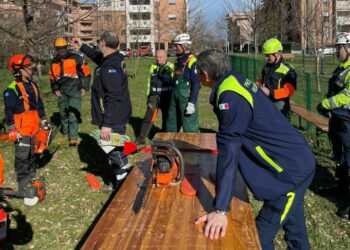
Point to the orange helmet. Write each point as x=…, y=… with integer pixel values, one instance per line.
x=61, y=42
x=19, y=61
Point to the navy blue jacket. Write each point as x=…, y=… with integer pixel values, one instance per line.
x=189, y=75
x=254, y=137
x=14, y=102
x=110, y=98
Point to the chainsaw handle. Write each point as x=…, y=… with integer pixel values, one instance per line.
x=182, y=164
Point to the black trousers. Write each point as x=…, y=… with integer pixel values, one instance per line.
x=24, y=161
x=154, y=103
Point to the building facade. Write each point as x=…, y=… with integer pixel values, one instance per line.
x=143, y=23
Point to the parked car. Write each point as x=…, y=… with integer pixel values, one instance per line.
x=171, y=52
x=328, y=50
x=144, y=51
x=126, y=52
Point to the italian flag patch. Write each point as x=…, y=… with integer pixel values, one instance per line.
x=224, y=106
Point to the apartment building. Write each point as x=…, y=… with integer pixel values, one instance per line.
x=151, y=23
x=239, y=30
x=342, y=14
x=85, y=23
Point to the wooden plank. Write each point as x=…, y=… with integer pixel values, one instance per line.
x=318, y=121
x=166, y=220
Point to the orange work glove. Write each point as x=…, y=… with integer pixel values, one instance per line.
x=14, y=135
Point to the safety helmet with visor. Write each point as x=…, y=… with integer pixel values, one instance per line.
x=19, y=61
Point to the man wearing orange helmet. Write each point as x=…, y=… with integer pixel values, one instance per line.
x=66, y=77
x=25, y=115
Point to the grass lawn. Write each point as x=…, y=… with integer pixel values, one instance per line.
x=62, y=220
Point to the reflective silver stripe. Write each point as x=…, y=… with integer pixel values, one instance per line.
x=161, y=89
x=346, y=92
x=331, y=102
x=347, y=106
x=71, y=76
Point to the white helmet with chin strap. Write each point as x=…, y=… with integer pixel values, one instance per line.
x=343, y=38
x=183, y=38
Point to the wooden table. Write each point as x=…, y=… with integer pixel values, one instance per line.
x=165, y=221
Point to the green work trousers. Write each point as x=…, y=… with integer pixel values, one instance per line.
x=70, y=112
x=177, y=117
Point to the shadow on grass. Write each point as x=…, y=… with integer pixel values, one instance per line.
x=22, y=234
x=95, y=158
x=56, y=119
x=43, y=159
x=324, y=184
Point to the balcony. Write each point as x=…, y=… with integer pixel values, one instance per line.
x=141, y=24
x=140, y=38
x=343, y=6
x=139, y=8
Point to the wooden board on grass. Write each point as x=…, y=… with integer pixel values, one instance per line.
x=165, y=219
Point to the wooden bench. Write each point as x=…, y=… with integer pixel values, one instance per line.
x=320, y=122
x=165, y=220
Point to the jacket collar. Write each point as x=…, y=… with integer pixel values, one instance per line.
x=212, y=98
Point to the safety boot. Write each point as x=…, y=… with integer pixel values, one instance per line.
x=73, y=142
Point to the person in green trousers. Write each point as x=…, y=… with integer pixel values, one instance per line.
x=183, y=110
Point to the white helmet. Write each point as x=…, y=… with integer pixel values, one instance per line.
x=343, y=38
x=183, y=38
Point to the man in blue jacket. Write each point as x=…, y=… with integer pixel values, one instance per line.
x=255, y=138
x=110, y=98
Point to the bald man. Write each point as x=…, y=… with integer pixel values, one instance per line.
x=159, y=85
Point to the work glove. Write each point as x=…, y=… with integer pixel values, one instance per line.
x=190, y=109
x=14, y=135
x=322, y=111
x=45, y=124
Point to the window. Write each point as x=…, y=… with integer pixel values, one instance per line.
x=172, y=2
x=172, y=17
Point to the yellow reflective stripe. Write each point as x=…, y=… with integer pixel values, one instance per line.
x=268, y=159
x=291, y=196
x=345, y=64
x=231, y=84
x=282, y=69
x=193, y=59
x=153, y=67
x=12, y=86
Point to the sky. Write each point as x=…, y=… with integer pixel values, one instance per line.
x=214, y=9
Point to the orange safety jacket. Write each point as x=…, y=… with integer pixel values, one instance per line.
x=23, y=107
x=65, y=70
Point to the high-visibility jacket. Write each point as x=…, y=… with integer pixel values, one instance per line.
x=66, y=71
x=160, y=78
x=280, y=79
x=86, y=69
x=22, y=98
x=185, y=68
x=254, y=137
x=338, y=96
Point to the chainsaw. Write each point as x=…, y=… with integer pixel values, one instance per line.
x=32, y=195
x=167, y=166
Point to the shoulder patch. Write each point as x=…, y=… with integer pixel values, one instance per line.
x=6, y=94
x=224, y=106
